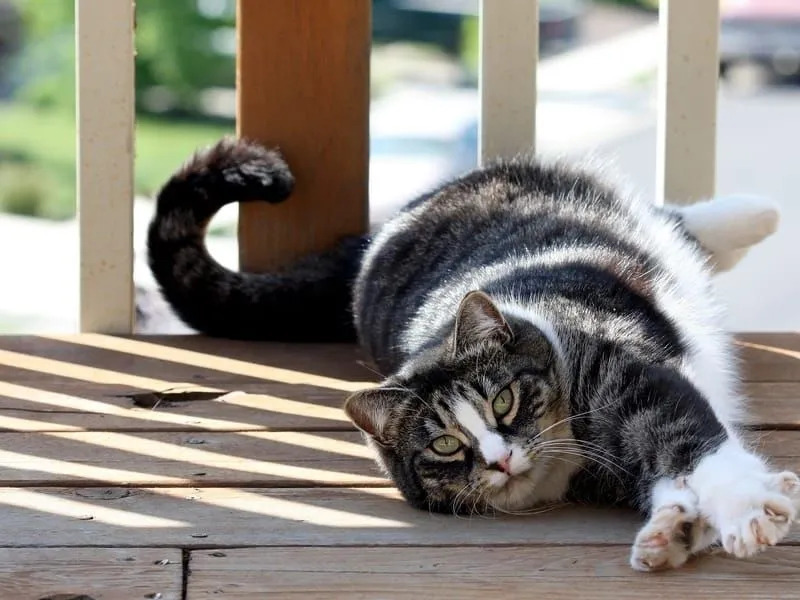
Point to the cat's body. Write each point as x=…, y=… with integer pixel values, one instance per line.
x=591, y=365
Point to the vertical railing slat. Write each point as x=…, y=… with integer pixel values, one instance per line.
x=688, y=83
x=105, y=114
x=509, y=51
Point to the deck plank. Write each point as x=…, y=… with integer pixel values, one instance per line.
x=92, y=468
x=478, y=573
x=227, y=517
x=197, y=359
x=65, y=405
x=253, y=459
x=232, y=459
x=770, y=356
x=91, y=573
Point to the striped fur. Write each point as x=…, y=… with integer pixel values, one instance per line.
x=543, y=339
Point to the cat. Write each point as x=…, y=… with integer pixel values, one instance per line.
x=543, y=337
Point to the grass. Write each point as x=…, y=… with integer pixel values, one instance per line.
x=37, y=156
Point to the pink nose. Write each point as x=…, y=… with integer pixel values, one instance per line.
x=504, y=464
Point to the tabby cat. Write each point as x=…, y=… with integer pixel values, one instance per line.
x=544, y=338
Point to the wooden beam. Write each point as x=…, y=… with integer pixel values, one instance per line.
x=509, y=50
x=105, y=115
x=687, y=111
x=303, y=85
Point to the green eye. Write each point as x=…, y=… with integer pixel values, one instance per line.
x=503, y=402
x=446, y=445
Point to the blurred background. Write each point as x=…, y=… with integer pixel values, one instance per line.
x=597, y=99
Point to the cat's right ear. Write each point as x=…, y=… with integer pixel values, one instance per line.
x=371, y=411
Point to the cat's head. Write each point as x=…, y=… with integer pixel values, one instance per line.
x=472, y=424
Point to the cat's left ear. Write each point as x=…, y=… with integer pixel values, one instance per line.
x=371, y=411
x=479, y=321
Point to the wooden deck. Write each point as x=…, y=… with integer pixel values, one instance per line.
x=257, y=486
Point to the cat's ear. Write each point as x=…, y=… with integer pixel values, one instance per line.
x=479, y=321
x=371, y=411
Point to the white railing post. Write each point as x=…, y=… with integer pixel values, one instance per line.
x=687, y=115
x=105, y=115
x=509, y=53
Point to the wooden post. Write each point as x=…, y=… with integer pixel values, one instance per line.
x=303, y=85
x=687, y=111
x=509, y=53
x=105, y=115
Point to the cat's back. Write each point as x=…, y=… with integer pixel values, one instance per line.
x=491, y=219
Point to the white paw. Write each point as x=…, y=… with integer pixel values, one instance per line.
x=675, y=530
x=760, y=522
x=749, y=506
x=664, y=541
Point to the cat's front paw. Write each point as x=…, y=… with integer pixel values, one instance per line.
x=675, y=530
x=765, y=518
x=757, y=522
x=751, y=507
x=663, y=542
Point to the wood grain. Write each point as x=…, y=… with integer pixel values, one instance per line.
x=53, y=403
x=104, y=407
x=770, y=356
x=81, y=382
x=773, y=405
x=202, y=361
x=252, y=459
x=478, y=573
x=229, y=517
x=93, y=573
x=303, y=85
x=216, y=459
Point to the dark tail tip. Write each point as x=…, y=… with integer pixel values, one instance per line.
x=232, y=170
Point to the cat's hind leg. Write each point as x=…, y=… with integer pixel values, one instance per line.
x=674, y=531
x=729, y=226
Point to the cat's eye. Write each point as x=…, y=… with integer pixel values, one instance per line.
x=446, y=445
x=502, y=403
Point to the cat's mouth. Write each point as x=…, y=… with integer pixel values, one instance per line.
x=502, y=481
x=515, y=492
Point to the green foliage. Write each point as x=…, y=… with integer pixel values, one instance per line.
x=25, y=190
x=47, y=61
x=37, y=156
x=470, y=35
x=178, y=49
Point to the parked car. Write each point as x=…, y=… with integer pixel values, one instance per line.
x=760, y=40
x=439, y=22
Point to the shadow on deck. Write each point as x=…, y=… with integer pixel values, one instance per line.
x=117, y=483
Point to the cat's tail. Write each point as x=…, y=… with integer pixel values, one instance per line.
x=729, y=226
x=308, y=301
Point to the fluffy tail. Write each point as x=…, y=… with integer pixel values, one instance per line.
x=309, y=301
